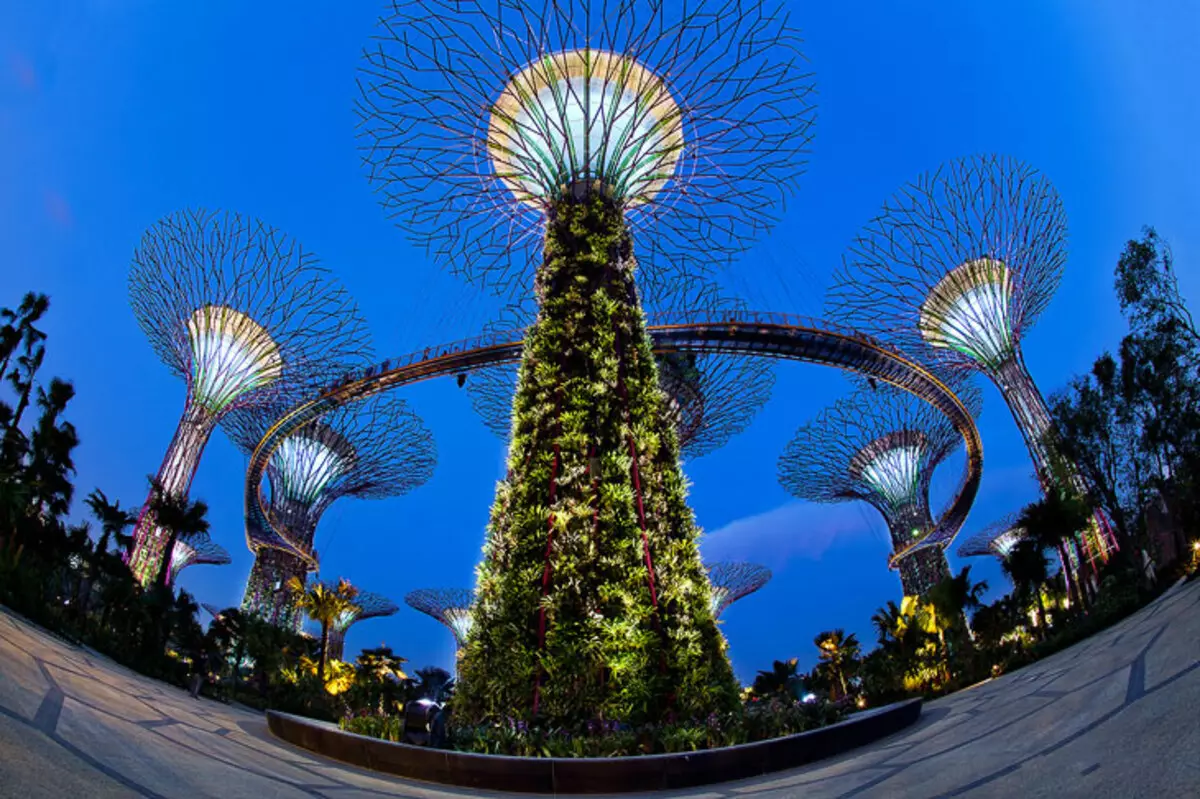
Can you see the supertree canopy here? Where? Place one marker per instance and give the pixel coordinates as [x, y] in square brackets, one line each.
[479, 117]
[998, 539]
[710, 398]
[450, 606]
[367, 605]
[955, 269]
[882, 446]
[498, 132]
[371, 449]
[197, 550]
[732, 580]
[246, 317]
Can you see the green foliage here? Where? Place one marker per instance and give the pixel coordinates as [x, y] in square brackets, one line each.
[568, 615]
[757, 720]
[1132, 425]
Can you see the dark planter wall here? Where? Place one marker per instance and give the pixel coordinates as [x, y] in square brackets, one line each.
[593, 775]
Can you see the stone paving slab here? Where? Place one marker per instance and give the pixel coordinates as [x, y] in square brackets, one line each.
[1114, 716]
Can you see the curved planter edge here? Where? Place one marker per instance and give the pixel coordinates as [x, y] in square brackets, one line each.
[592, 775]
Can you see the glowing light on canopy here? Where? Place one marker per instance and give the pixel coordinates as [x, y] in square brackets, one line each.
[968, 310]
[305, 466]
[231, 355]
[892, 467]
[1004, 543]
[459, 622]
[584, 116]
[450, 606]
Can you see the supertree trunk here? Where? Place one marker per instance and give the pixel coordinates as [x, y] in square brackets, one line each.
[267, 595]
[925, 568]
[175, 475]
[592, 598]
[1093, 546]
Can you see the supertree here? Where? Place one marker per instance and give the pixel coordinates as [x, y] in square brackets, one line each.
[371, 449]
[998, 539]
[247, 318]
[197, 550]
[955, 269]
[366, 606]
[882, 446]
[450, 606]
[527, 144]
[732, 580]
[710, 398]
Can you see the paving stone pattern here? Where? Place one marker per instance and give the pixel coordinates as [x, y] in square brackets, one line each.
[1115, 716]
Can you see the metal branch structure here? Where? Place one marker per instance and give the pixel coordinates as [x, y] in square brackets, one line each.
[711, 397]
[997, 539]
[197, 550]
[367, 605]
[247, 318]
[475, 116]
[373, 449]
[881, 446]
[450, 606]
[955, 270]
[733, 580]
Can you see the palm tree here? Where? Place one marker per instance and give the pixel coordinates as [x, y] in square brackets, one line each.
[18, 326]
[324, 604]
[839, 656]
[887, 621]
[114, 520]
[180, 517]
[1027, 568]
[1055, 520]
[781, 679]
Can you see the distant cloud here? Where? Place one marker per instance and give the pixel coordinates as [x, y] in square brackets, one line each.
[57, 208]
[794, 530]
[23, 71]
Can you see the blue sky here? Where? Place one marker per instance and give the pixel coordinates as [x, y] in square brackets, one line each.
[114, 113]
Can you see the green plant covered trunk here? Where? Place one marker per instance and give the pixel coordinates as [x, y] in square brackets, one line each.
[592, 600]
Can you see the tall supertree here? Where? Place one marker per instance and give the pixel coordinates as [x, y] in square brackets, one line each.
[371, 449]
[710, 398]
[732, 580]
[998, 539]
[450, 606]
[529, 144]
[195, 551]
[882, 446]
[367, 605]
[956, 269]
[247, 318]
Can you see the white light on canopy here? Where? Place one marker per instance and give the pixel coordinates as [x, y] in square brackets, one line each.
[459, 622]
[895, 474]
[305, 467]
[585, 116]
[1004, 543]
[969, 311]
[231, 355]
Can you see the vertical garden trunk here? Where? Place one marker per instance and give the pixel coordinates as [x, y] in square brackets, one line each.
[592, 599]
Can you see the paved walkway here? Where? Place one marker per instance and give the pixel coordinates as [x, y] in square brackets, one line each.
[1115, 716]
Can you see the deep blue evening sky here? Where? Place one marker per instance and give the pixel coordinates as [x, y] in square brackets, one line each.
[114, 113]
